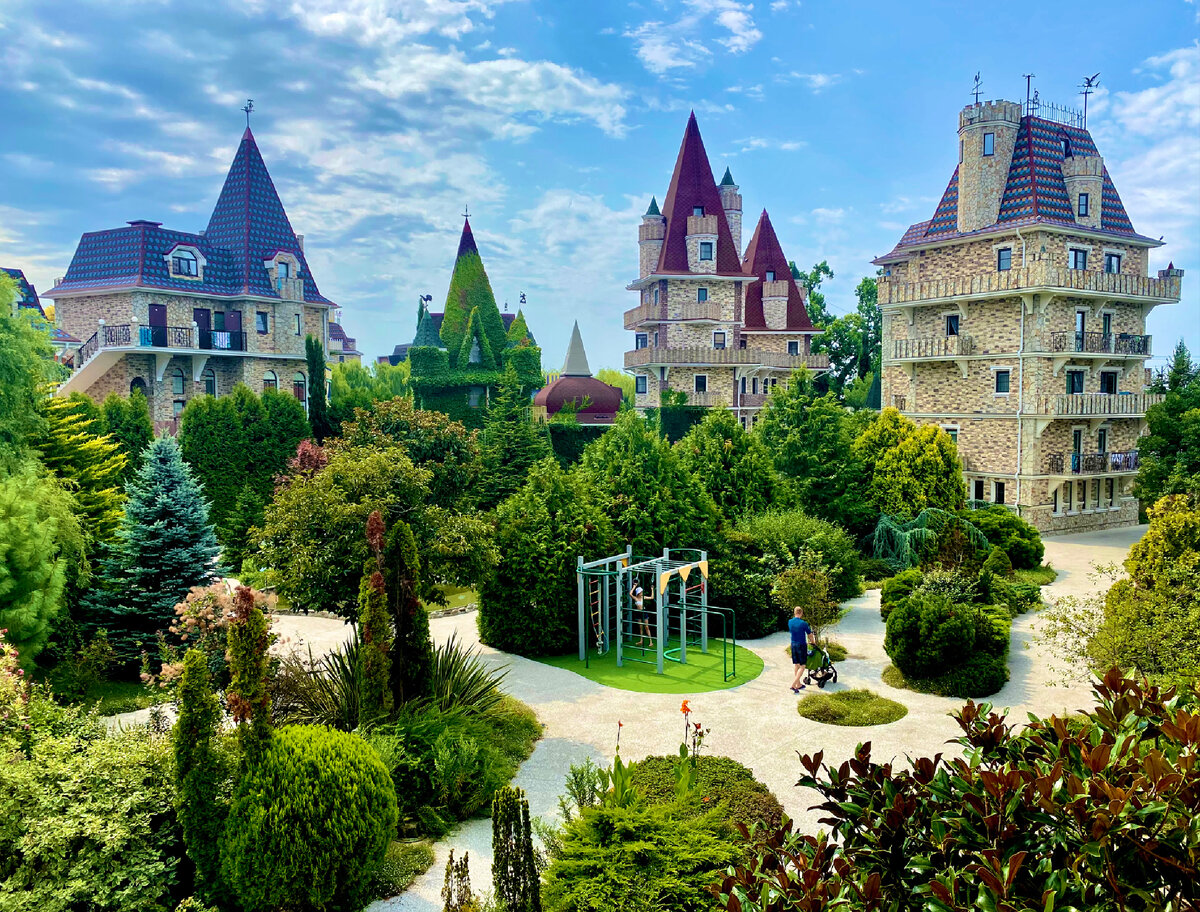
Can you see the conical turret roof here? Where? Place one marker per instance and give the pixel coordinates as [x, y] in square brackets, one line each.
[763, 255]
[653, 208]
[727, 180]
[466, 243]
[576, 364]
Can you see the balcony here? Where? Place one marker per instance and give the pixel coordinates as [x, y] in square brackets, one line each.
[1163, 289]
[931, 349]
[1124, 463]
[700, 311]
[732, 357]
[1107, 344]
[1094, 405]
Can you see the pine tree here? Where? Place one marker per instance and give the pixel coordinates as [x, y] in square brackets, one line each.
[90, 465]
[318, 412]
[197, 774]
[412, 650]
[514, 873]
[163, 547]
[127, 422]
[511, 442]
[1181, 370]
[375, 631]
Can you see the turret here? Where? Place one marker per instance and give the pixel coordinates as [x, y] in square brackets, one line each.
[1084, 178]
[987, 133]
[651, 232]
[731, 202]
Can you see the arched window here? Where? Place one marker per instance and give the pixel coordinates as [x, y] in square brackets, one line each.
[137, 385]
[209, 378]
[270, 381]
[300, 388]
[183, 263]
[177, 382]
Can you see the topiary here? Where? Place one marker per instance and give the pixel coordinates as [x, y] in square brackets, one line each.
[981, 675]
[998, 564]
[927, 634]
[897, 589]
[310, 823]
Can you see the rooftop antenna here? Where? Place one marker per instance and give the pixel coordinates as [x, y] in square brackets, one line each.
[248, 107]
[1029, 77]
[977, 89]
[1089, 85]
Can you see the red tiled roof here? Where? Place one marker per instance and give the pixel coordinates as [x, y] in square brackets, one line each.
[605, 399]
[692, 185]
[763, 253]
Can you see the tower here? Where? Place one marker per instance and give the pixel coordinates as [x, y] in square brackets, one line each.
[731, 202]
[651, 232]
[987, 134]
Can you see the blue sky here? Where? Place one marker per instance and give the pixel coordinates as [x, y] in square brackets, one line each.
[555, 122]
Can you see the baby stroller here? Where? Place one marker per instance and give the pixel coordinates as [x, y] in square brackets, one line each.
[820, 669]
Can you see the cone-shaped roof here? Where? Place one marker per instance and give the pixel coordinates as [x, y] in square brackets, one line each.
[763, 255]
[249, 221]
[727, 180]
[576, 364]
[466, 243]
[427, 334]
[692, 185]
[653, 208]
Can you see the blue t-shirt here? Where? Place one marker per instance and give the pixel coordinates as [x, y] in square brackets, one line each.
[800, 631]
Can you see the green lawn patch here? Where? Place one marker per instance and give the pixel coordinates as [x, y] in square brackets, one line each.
[120, 696]
[701, 673]
[851, 707]
[1040, 576]
[457, 598]
[403, 863]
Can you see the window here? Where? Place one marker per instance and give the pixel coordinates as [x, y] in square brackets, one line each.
[1108, 382]
[177, 382]
[1077, 259]
[1077, 440]
[719, 341]
[183, 263]
[741, 343]
[655, 295]
[300, 388]
[700, 383]
[770, 275]
[1106, 324]
[1074, 382]
[743, 386]
[794, 348]
[283, 269]
[951, 324]
[1067, 488]
[1002, 380]
[978, 489]
[1102, 440]
[698, 211]
[209, 378]
[706, 250]
[270, 381]
[1110, 497]
[262, 322]
[297, 324]
[1083, 205]
[753, 386]
[1112, 262]
[989, 143]
[656, 338]
[640, 384]
[640, 341]
[1004, 259]
[177, 407]
[998, 491]
[961, 149]
[953, 432]
[218, 319]
[1054, 501]
[701, 294]
[475, 396]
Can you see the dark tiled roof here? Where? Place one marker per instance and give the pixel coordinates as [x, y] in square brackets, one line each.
[764, 253]
[945, 217]
[652, 209]
[466, 243]
[61, 335]
[605, 399]
[27, 295]
[692, 185]
[248, 225]
[727, 180]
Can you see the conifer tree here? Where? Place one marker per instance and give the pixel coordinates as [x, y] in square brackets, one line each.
[127, 422]
[197, 774]
[511, 443]
[514, 873]
[412, 650]
[518, 333]
[375, 631]
[247, 695]
[318, 411]
[163, 547]
[25, 365]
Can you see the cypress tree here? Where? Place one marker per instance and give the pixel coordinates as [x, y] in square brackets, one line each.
[197, 775]
[511, 442]
[127, 422]
[163, 547]
[318, 412]
[247, 696]
[412, 650]
[375, 631]
[514, 873]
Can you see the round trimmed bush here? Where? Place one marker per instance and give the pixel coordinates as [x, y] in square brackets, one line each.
[851, 707]
[998, 564]
[718, 779]
[309, 824]
[1004, 528]
[928, 634]
[897, 589]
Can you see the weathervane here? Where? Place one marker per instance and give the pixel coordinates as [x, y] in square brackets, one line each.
[1028, 86]
[248, 107]
[977, 90]
[1089, 85]
[466, 212]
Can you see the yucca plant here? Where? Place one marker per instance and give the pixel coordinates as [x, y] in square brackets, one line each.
[321, 691]
[461, 680]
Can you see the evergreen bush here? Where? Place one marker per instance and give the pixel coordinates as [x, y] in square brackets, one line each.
[247, 695]
[1020, 541]
[514, 873]
[309, 824]
[127, 422]
[998, 564]
[928, 634]
[897, 589]
[719, 781]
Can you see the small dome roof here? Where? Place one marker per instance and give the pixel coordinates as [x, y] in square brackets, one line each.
[604, 399]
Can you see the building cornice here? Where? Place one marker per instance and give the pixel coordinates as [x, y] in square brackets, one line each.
[177, 292]
[901, 254]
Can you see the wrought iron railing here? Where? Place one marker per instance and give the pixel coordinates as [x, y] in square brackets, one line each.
[934, 347]
[1100, 343]
[116, 335]
[643, 357]
[222, 341]
[1083, 405]
[87, 349]
[1091, 463]
[899, 402]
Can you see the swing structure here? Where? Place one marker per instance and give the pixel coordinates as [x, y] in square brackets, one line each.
[675, 604]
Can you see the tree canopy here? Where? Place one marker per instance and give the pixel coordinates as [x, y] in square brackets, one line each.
[733, 465]
[1169, 453]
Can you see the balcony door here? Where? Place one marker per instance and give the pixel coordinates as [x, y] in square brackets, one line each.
[202, 317]
[158, 325]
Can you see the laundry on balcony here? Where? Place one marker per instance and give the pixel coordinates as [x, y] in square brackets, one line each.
[222, 340]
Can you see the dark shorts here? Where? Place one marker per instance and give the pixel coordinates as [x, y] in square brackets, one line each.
[799, 654]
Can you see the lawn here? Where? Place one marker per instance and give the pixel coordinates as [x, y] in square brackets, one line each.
[851, 707]
[120, 696]
[1041, 576]
[701, 673]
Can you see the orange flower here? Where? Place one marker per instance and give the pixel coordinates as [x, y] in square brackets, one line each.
[685, 709]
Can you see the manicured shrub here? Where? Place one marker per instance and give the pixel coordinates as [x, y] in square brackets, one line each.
[897, 589]
[310, 823]
[850, 707]
[248, 698]
[719, 781]
[1005, 529]
[928, 634]
[998, 564]
[981, 675]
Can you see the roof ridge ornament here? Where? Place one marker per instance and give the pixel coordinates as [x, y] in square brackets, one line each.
[248, 107]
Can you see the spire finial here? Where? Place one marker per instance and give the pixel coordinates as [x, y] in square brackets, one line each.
[1089, 86]
[466, 212]
[248, 107]
[977, 89]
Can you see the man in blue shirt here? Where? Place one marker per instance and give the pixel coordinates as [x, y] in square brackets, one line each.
[802, 635]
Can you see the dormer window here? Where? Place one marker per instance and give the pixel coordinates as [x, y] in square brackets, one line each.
[698, 210]
[770, 275]
[1083, 205]
[283, 270]
[185, 262]
[706, 250]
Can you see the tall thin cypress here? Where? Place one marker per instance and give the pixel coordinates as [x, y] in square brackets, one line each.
[200, 811]
[318, 411]
[514, 874]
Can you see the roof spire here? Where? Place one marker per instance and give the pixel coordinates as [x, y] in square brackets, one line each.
[248, 107]
[727, 180]
[576, 364]
[653, 208]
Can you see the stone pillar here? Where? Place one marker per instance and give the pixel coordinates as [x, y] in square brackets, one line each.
[731, 202]
[100, 333]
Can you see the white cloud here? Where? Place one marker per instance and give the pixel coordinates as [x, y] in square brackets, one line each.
[778, 6]
[1175, 101]
[735, 17]
[388, 22]
[757, 143]
[663, 47]
[817, 82]
[829, 215]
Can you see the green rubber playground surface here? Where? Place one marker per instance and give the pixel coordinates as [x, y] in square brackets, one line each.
[701, 673]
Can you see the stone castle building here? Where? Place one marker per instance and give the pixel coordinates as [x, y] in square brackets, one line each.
[1015, 319]
[723, 327]
[178, 315]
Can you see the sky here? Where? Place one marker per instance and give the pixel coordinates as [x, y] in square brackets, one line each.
[555, 122]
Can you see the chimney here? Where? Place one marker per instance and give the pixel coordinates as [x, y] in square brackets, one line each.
[300, 241]
[987, 133]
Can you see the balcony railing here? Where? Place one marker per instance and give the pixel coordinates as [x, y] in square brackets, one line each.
[653, 313]
[643, 357]
[899, 402]
[1100, 343]
[121, 335]
[935, 347]
[1091, 463]
[222, 341]
[1084, 405]
[1038, 275]
[87, 349]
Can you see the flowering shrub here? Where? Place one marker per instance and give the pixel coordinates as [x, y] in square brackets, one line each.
[14, 689]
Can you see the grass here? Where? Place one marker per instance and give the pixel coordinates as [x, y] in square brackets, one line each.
[837, 652]
[120, 696]
[457, 598]
[701, 673]
[1041, 576]
[403, 863]
[851, 707]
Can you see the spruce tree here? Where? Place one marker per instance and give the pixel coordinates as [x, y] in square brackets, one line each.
[163, 547]
[514, 872]
[197, 774]
[318, 411]
[1181, 370]
[127, 422]
[511, 442]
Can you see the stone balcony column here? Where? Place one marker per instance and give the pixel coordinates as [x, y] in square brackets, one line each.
[195, 334]
[100, 333]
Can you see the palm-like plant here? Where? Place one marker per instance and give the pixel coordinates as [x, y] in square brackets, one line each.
[461, 679]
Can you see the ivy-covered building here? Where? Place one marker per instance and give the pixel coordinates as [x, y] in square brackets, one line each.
[459, 355]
